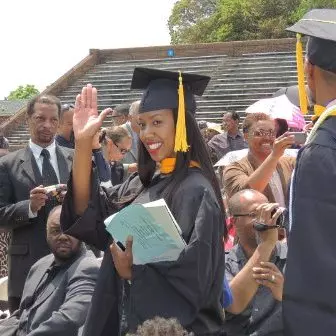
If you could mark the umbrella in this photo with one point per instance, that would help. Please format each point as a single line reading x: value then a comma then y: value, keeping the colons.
x: 292, y: 93
x: 279, y: 108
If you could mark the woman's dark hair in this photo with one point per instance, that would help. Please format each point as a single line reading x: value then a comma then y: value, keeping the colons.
x: 198, y: 152
x: 116, y: 134
x: 282, y: 126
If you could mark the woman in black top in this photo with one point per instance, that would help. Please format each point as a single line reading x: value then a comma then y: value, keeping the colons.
x: 189, y: 289
x: 109, y: 148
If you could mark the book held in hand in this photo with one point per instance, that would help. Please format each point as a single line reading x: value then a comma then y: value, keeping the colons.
x: 156, y: 235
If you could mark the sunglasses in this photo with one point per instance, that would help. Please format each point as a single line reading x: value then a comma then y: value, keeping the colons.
x: 252, y: 215
x: 264, y: 134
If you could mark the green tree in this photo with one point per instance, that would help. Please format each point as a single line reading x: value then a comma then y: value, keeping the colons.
x: 23, y: 92
x: 195, y: 21
x: 189, y: 19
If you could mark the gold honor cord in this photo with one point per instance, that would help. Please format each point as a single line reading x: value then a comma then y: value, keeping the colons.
x: 322, y: 21
x: 300, y: 75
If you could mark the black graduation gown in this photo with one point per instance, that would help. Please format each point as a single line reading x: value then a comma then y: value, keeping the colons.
x: 309, y: 305
x: 189, y: 289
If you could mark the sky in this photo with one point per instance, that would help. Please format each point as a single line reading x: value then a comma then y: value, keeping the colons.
x: 41, y: 40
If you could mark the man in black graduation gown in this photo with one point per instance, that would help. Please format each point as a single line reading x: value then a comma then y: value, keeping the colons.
x: 309, y: 303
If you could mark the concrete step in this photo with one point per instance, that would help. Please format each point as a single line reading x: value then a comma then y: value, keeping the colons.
x: 118, y: 72
x: 187, y: 67
x: 215, y: 87
x: 170, y: 59
x: 251, y: 57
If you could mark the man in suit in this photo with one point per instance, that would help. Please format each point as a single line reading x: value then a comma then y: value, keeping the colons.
x: 58, y: 289
x: 24, y: 204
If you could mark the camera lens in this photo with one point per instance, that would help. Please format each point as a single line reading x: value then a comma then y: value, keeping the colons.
x: 281, y: 219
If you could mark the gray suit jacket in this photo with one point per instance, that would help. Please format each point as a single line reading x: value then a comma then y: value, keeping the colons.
x: 62, y: 307
x: 19, y: 174
x: 132, y: 155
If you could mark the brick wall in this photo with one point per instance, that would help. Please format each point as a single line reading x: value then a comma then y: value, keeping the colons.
x: 235, y: 48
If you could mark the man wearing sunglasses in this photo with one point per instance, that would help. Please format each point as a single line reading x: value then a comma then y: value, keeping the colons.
x: 65, y: 135
x: 264, y: 169
x: 254, y: 267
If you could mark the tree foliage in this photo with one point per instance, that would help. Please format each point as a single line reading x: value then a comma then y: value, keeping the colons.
x: 196, y: 21
x: 23, y: 92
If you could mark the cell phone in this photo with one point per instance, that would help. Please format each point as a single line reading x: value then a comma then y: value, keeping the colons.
x: 300, y: 137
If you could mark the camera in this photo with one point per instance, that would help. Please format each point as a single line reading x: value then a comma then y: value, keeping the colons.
x: 56, y: 191
x: 280, y: 222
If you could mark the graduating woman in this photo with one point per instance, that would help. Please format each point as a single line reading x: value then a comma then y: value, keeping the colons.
x: 189, y: 289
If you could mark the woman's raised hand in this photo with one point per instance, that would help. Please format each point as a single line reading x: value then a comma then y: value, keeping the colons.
x: 86, y: 120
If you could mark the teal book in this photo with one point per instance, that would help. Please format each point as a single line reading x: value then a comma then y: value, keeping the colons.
x: 156, y: 235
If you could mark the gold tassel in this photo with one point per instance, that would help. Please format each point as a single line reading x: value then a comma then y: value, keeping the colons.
x: 301, y: 77
x: 318, y: 110
x: 181, y: 144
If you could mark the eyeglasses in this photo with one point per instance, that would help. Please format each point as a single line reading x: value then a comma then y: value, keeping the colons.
x: 66, y: 107
x: 123, y: 151
x: 264, y: 134
x: 252, y: 215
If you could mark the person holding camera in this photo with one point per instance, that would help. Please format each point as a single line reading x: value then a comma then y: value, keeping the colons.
x: 265, y: 168
x: 254, y: 266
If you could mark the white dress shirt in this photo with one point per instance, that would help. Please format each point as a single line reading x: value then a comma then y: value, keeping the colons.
x: 36, y: 149
x: 276, y: 187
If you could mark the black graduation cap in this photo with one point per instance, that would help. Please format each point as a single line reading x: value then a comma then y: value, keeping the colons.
x: 320, y: 26
x: 162, y: 88
x: 170, y: 90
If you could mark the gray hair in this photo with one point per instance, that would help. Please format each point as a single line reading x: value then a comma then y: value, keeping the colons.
x: 134, y: 108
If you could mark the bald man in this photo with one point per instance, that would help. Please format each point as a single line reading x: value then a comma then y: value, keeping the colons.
x: 254, y: 268
x: 58, y: 289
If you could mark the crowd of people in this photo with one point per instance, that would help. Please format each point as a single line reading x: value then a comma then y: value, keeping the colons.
x: 68, y: 276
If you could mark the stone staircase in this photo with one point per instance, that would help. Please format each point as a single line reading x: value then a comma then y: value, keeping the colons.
x: 236, y: 82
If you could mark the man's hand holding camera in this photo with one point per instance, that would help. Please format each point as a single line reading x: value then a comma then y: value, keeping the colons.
x: 40, y: 195
x: 268, y: 274
x: 38, y: 198
x: 267, y: 214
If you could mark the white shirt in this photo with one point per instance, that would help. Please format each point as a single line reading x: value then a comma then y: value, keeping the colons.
x: 36, y: 149
x: 276, y: 187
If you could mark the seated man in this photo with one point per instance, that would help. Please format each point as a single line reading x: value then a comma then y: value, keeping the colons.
x: 254, y: 268
x: 58, y: 289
